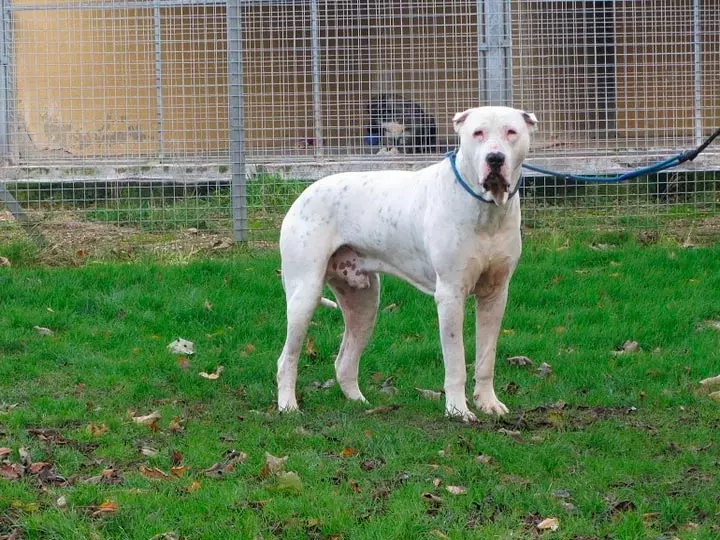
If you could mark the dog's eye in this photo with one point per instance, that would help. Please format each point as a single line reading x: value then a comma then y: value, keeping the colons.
x: 511, y: 132
x: 479, y: 134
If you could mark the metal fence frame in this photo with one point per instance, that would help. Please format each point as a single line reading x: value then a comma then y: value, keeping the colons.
x: 494, y: 56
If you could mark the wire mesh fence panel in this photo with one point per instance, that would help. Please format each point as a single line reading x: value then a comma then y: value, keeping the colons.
x: 117, y: 112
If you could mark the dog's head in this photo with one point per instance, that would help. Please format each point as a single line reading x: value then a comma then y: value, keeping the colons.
x: 494, y: 141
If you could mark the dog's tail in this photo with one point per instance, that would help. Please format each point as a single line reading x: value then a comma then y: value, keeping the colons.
x: 328, y: 303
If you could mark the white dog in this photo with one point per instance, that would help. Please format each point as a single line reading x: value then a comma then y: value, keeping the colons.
x: 451, y: 230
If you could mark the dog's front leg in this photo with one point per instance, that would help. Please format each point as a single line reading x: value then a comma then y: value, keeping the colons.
x: 450, y: 307
x: 489, y: 310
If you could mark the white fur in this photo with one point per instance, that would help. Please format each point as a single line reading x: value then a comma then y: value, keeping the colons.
x: 423, y: 227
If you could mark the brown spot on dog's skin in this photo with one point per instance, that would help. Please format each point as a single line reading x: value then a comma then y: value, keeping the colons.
x: 344, y: 272
x: 342, y: 265
x: 334, y: 266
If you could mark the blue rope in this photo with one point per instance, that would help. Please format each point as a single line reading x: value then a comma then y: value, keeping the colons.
x: 674, y: 161
x: 451, y: 158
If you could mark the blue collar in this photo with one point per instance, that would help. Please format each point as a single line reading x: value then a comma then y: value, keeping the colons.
x: 451, y: 158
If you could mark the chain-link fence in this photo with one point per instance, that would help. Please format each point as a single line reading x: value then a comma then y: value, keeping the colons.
x: 213, y: 114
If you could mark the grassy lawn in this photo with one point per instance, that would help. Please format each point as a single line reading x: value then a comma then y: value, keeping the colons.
x: 611, y: 445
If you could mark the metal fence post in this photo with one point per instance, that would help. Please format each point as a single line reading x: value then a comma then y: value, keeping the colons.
x: 697, y: 63
x: 315, y: 60
x: 238, y: 184
x: 157, y: 36
x: 496, y: 47
x: 4, y: 79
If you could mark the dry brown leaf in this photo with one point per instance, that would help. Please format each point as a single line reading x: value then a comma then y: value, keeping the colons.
x: 429, y: 497
x: 715, y: 396
x: 154, y: 473
x: 436, y: 482
x: 175, y: 425
x: 383, y: 409
x: 5, y: 262
x: 43, y: 331
x: 429, y: 394
x: 482, y: 459
x: 212, y: 376
x: 234, y: 457
x: 148, y: 451
x: 218, y: 470
x: 348, y: 452
x: 97, y: 430
x: 544, y: 370
x: 439, y: 534
x: 11, y: 471
x: 148, y: 419
x: 61, y: 502
x: 515, y: 435
x: 107, y: 507
x: 183, y: 362
x: 273, y: 465
x: 193, y: 487
x: 391, y: 307
x: 519, y: 361
x: 249, y: 348
x: 355, y: 487
x: 456, y: 490
x: 310, y: 349
x: 178, y: 471
x: 176, y: 457
x: 710, y: 381
x: 5, y: 452
x: 551, y: 524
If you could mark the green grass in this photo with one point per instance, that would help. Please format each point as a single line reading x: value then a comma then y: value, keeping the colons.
x: 633, y: 427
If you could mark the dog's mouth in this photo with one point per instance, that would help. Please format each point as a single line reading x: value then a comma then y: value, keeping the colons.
x: 496, y: 184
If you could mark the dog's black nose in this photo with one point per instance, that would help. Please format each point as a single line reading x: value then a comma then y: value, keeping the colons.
x: 495, y: 159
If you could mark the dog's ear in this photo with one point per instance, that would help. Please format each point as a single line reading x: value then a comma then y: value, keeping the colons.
x: 459, y: 118
x: 530, y: 119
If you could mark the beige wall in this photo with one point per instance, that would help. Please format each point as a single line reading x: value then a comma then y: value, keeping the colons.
x: 85, y: 80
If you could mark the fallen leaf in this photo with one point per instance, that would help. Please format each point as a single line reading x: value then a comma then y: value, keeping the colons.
x: 551, y: 524
x: 439, y: 534
x: 355, y: 487
x: 212, y: 376
x: 97, y: 430
x: 193, y: 487
x: 429, y: 394
x: 623, y: 506
x: 544, y: 370
x: 310, y: 349
x: 436, y: 482
x: 5, y: 262
x: 11, y: 471
x: 175, y: 425
x: 61, y: 502
x: 107, y: 507
x: 181, y: 346
x: 249, y: 348
x: 715, y: 396
x: 391, y: 307
x: 519, y: 361
x: 348, y: 452
x: 371, y: 464
x: 515, y: 435
x: 218, y: 470
x: 627, y: 347
x: 482, y: 459
x: 710, y: 381
x: 234, y: 457
x: 5, y: 408
x: 434, y: 499
x: 207, y: 306
x: 387, y: 386
x: 650, y: 516
x: 511, y: 388
x: 154, y: 473
x: 183, y: 362
x: 289, y: 481
x: 383, y: 409
x: 178, y: 471
x: 148, y: 419
x: 149, y: 452
x: 43, y: 331
x: 273, y: 465
x: 456, y: 490
x: 5, y: 452
x: 170, y: 535
x: 561, y: 494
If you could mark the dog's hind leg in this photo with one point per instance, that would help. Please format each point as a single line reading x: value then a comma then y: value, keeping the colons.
x: 303, y: 296
x: 359, y: 308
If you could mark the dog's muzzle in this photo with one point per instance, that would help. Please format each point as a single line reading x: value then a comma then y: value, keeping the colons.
x: 495, y: 182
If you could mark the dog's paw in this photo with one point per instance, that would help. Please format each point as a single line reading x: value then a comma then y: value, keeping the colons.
x: 490, y: 405
x: 287, y: 406
x: 466, y: 415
